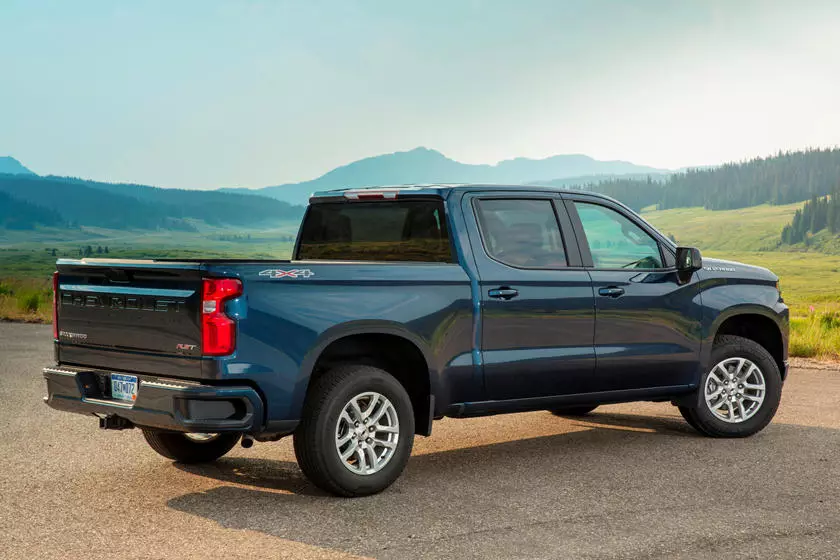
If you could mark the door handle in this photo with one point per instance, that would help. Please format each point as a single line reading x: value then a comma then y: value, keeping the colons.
x: 504, y: 293
x: 612, y: 291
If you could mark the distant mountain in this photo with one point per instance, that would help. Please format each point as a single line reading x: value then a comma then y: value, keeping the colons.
x: 12, y: 166
x: 52, y: 201
x: 423, y: 165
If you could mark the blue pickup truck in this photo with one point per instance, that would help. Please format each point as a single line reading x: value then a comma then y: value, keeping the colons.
x: 407, y: 304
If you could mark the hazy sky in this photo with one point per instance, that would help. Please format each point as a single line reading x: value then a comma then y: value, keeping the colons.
x: 207, y: 94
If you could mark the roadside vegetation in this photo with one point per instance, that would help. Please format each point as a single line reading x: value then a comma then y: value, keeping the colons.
x: 26, y: 299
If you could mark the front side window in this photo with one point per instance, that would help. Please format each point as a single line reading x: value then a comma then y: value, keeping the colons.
x: 521, y: 233
x: 401, y: 230
x: 615, y: 241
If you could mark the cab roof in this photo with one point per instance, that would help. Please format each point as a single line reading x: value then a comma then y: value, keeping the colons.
x: 442, y: 190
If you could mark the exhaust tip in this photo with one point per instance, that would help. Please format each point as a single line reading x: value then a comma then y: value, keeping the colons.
x: 247, y: 442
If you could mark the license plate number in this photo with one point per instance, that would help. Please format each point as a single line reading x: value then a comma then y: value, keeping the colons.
x: 124, y: 387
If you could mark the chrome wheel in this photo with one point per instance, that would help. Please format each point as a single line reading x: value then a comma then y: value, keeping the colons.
x: 201, y: 438
x: 735, y: 389
x: 367, y: 433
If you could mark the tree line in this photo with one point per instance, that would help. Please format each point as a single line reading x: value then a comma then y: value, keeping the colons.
x: 819, y: 213
x: 21, y: 215
x: 780, y: 179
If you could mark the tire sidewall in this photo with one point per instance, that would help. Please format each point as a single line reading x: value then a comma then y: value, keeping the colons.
x: 372, y: 379
x: 773, y: 383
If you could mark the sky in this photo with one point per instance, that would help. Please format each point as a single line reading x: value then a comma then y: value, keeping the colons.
x: 204, y: 94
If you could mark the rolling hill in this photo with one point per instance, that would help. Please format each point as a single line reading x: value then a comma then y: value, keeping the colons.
x: 30, y: 201
x: 422, y: 165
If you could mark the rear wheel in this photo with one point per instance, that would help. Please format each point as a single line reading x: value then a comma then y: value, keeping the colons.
x: 357, y: 430
x: 573, y: 410
x: 190, y: 448
x: 740, y: 394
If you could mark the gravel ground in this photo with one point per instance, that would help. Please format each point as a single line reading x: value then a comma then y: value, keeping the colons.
x: 628, y: 481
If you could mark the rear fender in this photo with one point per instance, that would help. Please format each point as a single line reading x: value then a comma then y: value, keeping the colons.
x: 338, y: 332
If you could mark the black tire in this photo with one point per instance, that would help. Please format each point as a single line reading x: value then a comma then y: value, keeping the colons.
x: 573, y: 410
x: 701, y: 418
x: 314, y: 439
x: 178, y: 447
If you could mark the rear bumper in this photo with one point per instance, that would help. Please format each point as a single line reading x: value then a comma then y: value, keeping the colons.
x: 161, y: 403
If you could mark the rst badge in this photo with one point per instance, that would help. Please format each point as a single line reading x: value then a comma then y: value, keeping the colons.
x: 185, y: 348
x: 294, y: 273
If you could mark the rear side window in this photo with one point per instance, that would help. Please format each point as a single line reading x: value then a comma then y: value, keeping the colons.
x: 399, y: 230
x: 521, y: 233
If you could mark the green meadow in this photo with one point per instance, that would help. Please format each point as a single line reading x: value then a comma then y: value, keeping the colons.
x: 810, y: 280
x: 27, y: 259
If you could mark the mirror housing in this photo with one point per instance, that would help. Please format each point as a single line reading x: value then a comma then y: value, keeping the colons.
x: 689, y: 259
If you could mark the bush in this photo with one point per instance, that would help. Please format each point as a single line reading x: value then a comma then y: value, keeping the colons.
x: 29, y: 302
x: 815, y: 336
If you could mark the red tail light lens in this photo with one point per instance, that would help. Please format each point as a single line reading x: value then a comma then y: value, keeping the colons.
x: 55, y: 305
x: 218, y: 331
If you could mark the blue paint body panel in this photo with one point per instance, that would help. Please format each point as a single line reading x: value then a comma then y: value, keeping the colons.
x: 557, y: 341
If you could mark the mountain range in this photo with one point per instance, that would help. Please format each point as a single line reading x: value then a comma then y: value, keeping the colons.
x: 422, y: 165
x: 28, y: 200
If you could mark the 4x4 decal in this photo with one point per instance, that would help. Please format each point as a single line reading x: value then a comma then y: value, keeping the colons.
x: 294, y: 273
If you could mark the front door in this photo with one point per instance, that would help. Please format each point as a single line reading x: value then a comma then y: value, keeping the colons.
x: 647, y: 326
x: 537, y: 309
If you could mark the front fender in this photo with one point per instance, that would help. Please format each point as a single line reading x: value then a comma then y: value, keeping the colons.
x: 723, y: 299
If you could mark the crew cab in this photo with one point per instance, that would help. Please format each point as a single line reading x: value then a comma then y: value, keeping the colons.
x: 408, y: 304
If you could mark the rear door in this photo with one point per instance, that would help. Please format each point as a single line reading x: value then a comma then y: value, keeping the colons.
x: 537, y: 309
x: 133, y: 316
x: 647, y: 327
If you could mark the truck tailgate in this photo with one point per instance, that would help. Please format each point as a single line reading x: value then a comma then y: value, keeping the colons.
x: 147, y: 307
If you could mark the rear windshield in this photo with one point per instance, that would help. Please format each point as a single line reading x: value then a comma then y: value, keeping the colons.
x: 390, y: 230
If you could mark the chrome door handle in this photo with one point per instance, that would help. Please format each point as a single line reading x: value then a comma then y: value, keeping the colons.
x: 612, y: 291
x: 504, y: 293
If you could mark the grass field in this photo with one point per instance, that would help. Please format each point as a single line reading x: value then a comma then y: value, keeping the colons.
x: 810, y: 280
x: 27, y: 261
x: 746, y: 229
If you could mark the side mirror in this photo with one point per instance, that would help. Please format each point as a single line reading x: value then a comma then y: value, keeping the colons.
x: 689, y: 259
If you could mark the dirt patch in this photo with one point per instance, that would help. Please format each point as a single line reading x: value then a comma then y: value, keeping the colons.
x: 810, y: 363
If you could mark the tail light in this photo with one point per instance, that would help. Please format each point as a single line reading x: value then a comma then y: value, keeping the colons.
x: 218, y: 331
x: 55, y: 305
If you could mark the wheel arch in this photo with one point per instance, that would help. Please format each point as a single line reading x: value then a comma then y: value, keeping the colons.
x: 389, y: 346
x: 755, y: 323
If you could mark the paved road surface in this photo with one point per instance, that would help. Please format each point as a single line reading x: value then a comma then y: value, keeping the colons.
x: 630, y: 481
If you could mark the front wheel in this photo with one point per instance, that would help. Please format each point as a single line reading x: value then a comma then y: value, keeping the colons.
x: 740, y: 394
x: 356, y: 431
x: 190, y: 448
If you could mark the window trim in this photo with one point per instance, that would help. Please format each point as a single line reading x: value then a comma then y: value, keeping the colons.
x: 564, y: 227
x: 583, y: 241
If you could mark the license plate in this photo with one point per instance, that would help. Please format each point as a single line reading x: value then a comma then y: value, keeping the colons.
x: 124, y: 387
